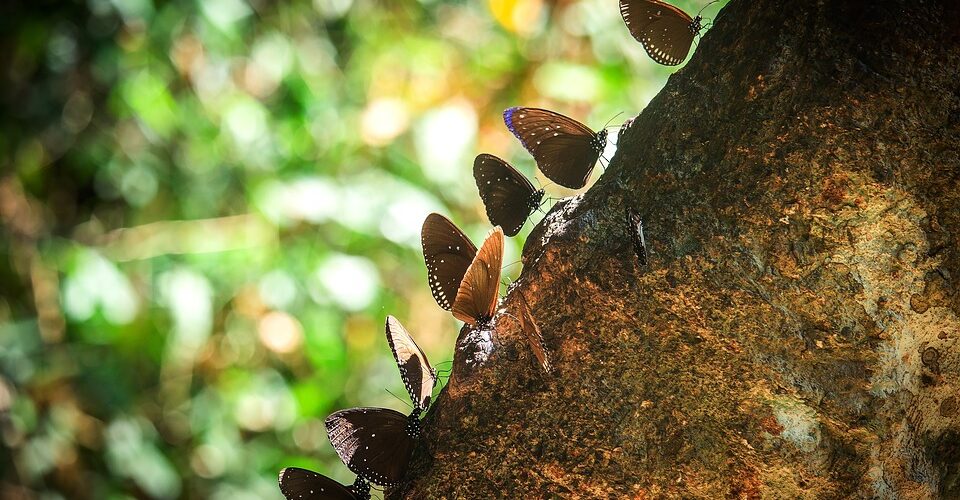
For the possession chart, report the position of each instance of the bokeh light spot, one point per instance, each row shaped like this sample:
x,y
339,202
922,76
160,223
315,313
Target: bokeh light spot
x,y
348,281
280,332
96,282
444,139
383,120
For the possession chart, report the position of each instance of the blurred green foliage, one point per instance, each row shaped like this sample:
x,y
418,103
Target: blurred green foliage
x,y
207,208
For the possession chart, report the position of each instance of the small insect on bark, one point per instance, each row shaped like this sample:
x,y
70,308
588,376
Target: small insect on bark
x,y
636,235
532,333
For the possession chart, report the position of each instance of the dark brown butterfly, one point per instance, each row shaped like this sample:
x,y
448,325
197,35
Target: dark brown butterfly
x,y
507,195
476,301
375,443
565,149
665,31
532,333
636,235
303,484
417,374
448,253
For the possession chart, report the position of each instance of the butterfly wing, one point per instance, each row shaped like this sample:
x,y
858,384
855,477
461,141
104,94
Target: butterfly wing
x,y
374,443
303,484
663,30
668,40
417,374
448,253
506,193
639,14
532,333
565,149
476,301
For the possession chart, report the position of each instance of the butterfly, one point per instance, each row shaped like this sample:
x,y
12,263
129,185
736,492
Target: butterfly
x,y
636,235
565,150
532,333
476,301
303,484
507,195
665,31
447,252
417,374
375,443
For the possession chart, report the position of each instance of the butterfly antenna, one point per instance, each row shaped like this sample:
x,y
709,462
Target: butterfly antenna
x,y
707,5
511,264
607,125
449,362
398,398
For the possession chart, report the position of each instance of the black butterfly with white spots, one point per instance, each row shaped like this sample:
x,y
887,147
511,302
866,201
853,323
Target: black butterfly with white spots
x,y
565,150
376,444
507,195
303,484
665,31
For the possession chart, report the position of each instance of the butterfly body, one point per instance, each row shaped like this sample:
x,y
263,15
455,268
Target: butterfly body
x,y
535,198
303,484
696,24
599,142
414,427
665,31
565,150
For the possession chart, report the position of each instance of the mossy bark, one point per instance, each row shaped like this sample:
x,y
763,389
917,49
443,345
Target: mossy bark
x,y
796,332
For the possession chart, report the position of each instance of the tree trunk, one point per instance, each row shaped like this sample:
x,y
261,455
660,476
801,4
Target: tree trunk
x,y
795,334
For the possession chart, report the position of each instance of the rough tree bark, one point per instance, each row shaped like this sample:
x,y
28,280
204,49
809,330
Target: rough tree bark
x,y
796,332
